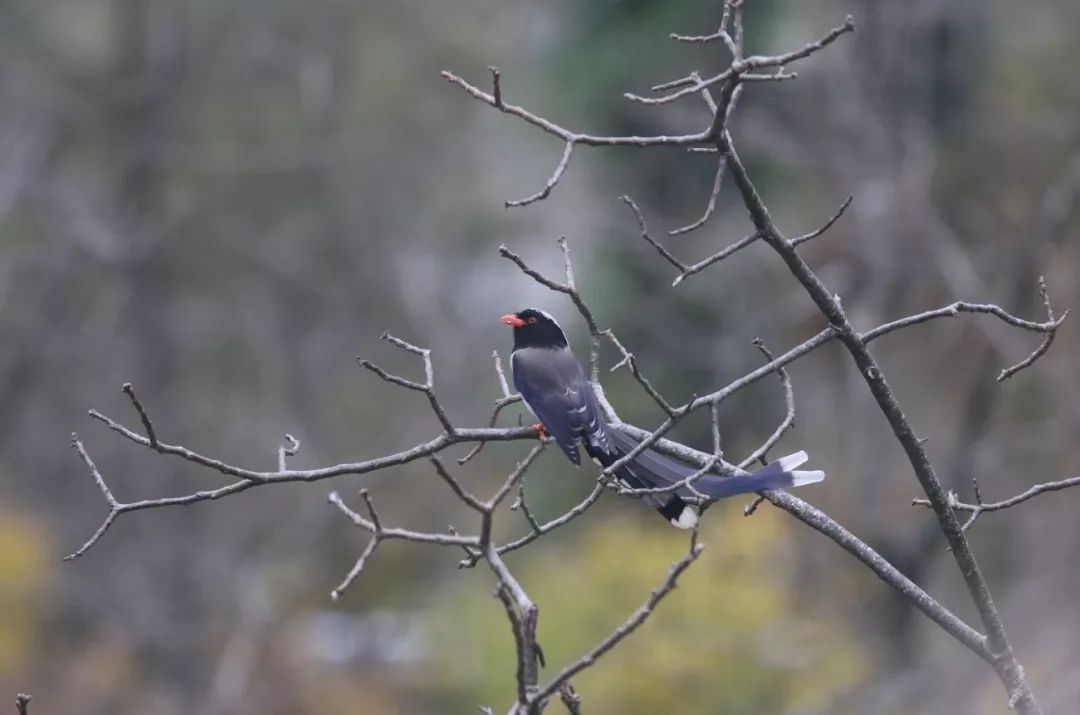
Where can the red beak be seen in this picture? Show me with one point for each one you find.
(511, 319)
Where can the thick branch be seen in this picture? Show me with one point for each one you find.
(1005, 662)
(824, 524)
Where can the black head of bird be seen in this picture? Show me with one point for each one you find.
(534, 328)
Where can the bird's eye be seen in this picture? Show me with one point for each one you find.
(532, 320)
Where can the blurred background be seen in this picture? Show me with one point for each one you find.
(224, 202)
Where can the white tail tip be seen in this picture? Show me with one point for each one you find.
(791, 461)
(800, 478)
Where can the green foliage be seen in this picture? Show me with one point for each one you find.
(732, 638)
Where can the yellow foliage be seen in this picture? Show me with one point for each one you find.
(731, 638)
(24, 566)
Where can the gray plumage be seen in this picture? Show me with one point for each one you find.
(554, 386)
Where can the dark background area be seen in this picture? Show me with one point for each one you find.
(223, 202)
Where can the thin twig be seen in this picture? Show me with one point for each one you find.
(826, 226)
(371, 526)
(979, 506)
(630, 361)
(633, 623)
(718, 182)
(129, 390)
(567, 135)
(643, 229)
(690, 86)
(288, 449)
(456, 487)
(556, 175)
(1047, 341)
(715, 258)
(789, 412)
(507, 399)
(515, 476)
(496, 86)
(569, 289)
(427, 387)
(539, 530)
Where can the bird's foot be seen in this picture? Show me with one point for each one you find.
(540, 429)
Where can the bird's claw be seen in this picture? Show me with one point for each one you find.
(540, 429)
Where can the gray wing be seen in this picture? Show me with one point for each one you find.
(554, 386)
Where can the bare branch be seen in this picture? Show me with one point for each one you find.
(501, 375)
(250, 478)
(541, 529)
(567, 135)
(496, 86)
(821, 522)
(684, 269)
(560, 169)
(718, 181)
(715, 258)
(289, 449)
(1047, 341)
(570, 699)
(789, 412)
(523, 615)
(463, 495)
(480, 434)
(649, 239)
(728, 96)
(515, 476)
(778, 75)
(114, 505)
(629, 360)
(828, 224)
(689, 86)
(633, 623)
(129, 390)
(955, 309)
(1004, 661)
(721, 32)
(569, 289)
(714, 414)
(980, 506)
(370, 525)
(522, 503)
(506, 399)
(357, 567)
(428, 387)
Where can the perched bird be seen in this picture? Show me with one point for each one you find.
(554, 386)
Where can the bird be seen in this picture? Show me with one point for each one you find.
(553, 385)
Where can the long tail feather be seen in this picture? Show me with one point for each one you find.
(650, 469)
